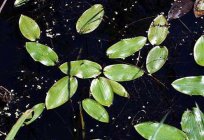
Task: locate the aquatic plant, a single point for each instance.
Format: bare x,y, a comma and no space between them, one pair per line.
191,123
102,89
105,81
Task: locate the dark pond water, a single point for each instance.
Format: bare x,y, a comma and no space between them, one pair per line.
149,101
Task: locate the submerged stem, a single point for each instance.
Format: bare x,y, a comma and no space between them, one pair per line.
2,6
82,121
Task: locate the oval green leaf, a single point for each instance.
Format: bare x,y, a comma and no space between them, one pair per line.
82,69
126,47
29,28
193,124
38,109
118,89
61,92
95,110
19,3
42,53
158,30
122,72
90,19
199,51
14,130
102,91
165,132
156,58
190,85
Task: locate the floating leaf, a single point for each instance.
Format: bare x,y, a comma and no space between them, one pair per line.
180,8
122,72
158,30
190,85
154,135
29,28
61,92
156,58
102,91
82,69
95,110
19,3
38,109
165,132
11,135
42,53
90,19
126,47
199,8
118,89
198,51
193,124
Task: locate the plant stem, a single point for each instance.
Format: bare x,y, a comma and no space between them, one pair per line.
2,6
82,121
185,25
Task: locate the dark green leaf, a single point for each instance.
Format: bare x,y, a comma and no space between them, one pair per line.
126,47
199,51
118,89
158,30
193,124
156,58
95,110
42,53
29,28
102,91
190,85
61,92
165,132
90,19
122,72
82,69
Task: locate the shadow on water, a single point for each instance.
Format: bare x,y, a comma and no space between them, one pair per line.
125,18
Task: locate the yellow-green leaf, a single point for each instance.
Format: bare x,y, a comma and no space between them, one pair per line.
122,72
29,28
38,109
95,110
158,30
165,132
42,53
126,47
81,68
192,85
61,92
90,19
102,91
19,3
14,130
199,51
193,124
118,89
156,58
